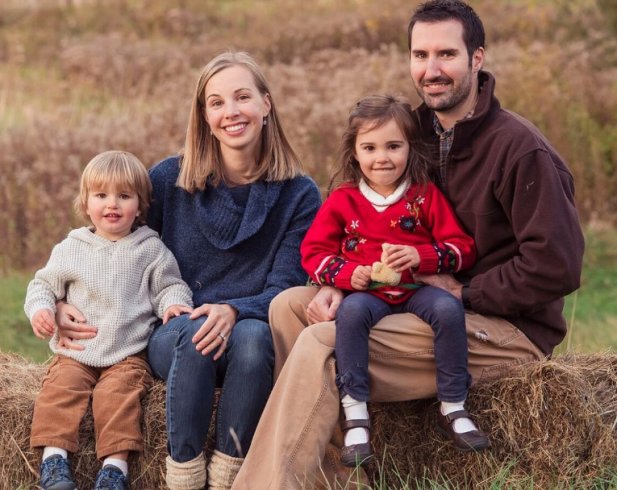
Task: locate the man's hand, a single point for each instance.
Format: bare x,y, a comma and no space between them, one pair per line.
443,281
324,305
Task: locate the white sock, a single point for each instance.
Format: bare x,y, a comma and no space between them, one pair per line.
118,463
460,425
51,451
355,410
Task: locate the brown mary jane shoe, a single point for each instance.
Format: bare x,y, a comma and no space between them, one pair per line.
475,440
356,454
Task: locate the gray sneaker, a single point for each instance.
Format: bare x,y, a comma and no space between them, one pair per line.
56,474
110,477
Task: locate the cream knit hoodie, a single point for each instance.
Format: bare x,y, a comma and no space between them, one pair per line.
121,287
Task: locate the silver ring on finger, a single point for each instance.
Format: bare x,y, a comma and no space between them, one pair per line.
223,338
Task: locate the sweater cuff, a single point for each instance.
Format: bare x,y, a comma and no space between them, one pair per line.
428,259
342,280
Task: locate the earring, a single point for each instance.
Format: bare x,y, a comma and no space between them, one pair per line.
265,121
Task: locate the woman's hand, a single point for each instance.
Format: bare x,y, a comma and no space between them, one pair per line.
324,304
402,257
43,324
215,330
72,326
361,277
174,311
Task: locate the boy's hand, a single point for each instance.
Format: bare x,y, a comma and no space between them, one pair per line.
174,311
361,277
43,323
402,257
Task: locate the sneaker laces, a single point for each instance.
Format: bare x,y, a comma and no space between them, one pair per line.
56,469
111,478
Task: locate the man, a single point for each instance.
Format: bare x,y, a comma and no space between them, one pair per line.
512,192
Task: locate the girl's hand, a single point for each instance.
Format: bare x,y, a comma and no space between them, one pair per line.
43,324
324,304
215,330
174,311
72,326
361,277
402,257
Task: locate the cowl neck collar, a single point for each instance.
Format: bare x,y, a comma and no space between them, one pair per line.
227,222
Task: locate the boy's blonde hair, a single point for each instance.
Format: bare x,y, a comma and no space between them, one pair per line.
202,157
120,170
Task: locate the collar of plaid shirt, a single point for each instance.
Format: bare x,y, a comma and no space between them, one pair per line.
446,138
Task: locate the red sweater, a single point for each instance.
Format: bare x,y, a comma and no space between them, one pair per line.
348,232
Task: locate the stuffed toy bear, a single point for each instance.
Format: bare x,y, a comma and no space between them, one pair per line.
382,273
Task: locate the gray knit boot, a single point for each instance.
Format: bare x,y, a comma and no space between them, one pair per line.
186,476
222,471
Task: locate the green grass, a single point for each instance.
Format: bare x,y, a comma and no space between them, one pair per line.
591,312
16,334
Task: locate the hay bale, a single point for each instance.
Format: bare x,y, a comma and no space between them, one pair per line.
554,420
552,424
20,381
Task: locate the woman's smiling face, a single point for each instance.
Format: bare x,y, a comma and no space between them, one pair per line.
235,109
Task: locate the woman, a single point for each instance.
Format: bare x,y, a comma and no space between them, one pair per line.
233,208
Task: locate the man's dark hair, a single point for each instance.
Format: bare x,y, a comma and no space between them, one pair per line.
440,10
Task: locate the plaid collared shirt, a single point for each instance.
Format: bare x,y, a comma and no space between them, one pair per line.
446,138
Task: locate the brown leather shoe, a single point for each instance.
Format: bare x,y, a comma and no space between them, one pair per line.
356,454
475,440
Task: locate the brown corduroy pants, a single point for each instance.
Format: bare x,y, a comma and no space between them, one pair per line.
291,448
117,392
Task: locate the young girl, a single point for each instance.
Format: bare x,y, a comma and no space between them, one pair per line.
122,277
384,223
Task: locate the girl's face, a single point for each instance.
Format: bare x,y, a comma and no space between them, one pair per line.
235,110
112,211
382,154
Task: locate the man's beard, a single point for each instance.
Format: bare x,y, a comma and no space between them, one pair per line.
446,102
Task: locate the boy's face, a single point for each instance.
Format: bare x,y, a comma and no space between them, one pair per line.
112,211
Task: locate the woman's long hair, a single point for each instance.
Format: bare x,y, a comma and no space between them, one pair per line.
202,159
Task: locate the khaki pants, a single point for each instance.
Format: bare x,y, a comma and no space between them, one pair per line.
116,391
303,410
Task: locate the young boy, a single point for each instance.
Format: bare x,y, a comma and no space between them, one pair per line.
122,277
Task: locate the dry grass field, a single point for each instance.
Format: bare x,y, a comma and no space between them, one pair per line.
80,77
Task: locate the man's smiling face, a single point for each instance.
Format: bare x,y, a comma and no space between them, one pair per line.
440,67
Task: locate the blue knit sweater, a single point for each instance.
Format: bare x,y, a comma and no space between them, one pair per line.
234,245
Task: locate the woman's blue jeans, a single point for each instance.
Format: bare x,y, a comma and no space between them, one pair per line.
360,311
244,373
